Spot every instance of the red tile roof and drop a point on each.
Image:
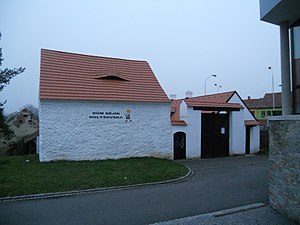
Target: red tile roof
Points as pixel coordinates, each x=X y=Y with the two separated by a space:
x=214 y=98
x=71 y=76
x=265 y=102
x=178 y=122
x=208 y=102
x=175 y=113
x=251 y=122
x=212 y=105
x=213 y=101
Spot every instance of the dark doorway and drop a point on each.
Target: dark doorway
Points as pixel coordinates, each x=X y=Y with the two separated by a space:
x=247 y=140
x=179 y=145
x=214 y=135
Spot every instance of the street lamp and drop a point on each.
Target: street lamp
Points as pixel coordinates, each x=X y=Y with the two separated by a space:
x=218 y=87
x=270 y=68
x=213 y=75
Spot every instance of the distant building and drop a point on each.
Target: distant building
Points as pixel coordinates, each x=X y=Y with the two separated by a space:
x=262 y=108
x=215 y=125
x=95 y=108
x=25 y=126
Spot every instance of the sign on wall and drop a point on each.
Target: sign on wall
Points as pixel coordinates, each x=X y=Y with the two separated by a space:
x=111 y=116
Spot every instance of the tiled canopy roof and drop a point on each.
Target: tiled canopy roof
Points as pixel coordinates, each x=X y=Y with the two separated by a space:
x=70 y=76
x=213 y=98
x=207 y=102
x=175 y=113
x=251 y=122
x=214 y=101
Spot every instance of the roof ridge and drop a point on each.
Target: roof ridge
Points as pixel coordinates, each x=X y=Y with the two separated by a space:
x=227 y=92
x=88 y=55
x=203 y=96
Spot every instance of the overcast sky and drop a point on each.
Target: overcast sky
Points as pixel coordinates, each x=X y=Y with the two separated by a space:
x=184 y=42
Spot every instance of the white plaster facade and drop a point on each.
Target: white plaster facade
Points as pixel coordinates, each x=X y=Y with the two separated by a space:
x=67 y=131
x=237 y=130
x=237 y=137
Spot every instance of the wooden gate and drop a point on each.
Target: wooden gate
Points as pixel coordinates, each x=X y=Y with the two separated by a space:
x=179 y=145
x=214 y=135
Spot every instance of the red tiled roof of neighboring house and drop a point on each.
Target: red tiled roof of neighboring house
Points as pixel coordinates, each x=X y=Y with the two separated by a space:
x=265 y=102
x=72 y=76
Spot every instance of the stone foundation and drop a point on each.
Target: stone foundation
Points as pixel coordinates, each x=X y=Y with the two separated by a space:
x=284 y=177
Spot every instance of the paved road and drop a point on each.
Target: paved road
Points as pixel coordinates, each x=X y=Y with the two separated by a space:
x=217 y=184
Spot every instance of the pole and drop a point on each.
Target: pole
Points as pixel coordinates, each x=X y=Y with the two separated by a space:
x=270 y=68
x=213 y=75
x=285 y=69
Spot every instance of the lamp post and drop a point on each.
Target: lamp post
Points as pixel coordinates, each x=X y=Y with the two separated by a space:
x=218 y=87
x=213 y=75
x=270 y=68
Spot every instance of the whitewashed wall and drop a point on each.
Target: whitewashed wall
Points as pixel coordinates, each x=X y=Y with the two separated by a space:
x=67 y=132
x=238 y=130
x=192 y=130
x=193 y=133
x=237 y=133
x=254 y=139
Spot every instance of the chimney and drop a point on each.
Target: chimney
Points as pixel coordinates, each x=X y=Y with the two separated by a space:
x=188 y=94
x=249 y=98
x=172 y=96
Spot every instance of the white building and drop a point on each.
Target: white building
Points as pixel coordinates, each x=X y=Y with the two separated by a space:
x=101 y=108
x=213 y=126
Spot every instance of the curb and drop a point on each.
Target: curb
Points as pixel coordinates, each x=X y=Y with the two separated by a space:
x=225 y=212
x=236 y=210
x=95 y=190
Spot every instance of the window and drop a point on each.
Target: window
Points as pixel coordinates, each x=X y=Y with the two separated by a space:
x=263 y=114
x=269 y=113
x=277 y=113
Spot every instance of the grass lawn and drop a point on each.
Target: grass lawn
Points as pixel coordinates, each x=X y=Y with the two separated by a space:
x=18 y=177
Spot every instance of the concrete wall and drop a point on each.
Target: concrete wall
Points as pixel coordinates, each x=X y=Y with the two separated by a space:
x=284 y=156
x=73 y=130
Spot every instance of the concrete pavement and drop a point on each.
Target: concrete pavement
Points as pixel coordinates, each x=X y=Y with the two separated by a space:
x=254 y=214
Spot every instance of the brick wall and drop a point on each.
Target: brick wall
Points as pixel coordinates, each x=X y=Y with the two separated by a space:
x=284 y=177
